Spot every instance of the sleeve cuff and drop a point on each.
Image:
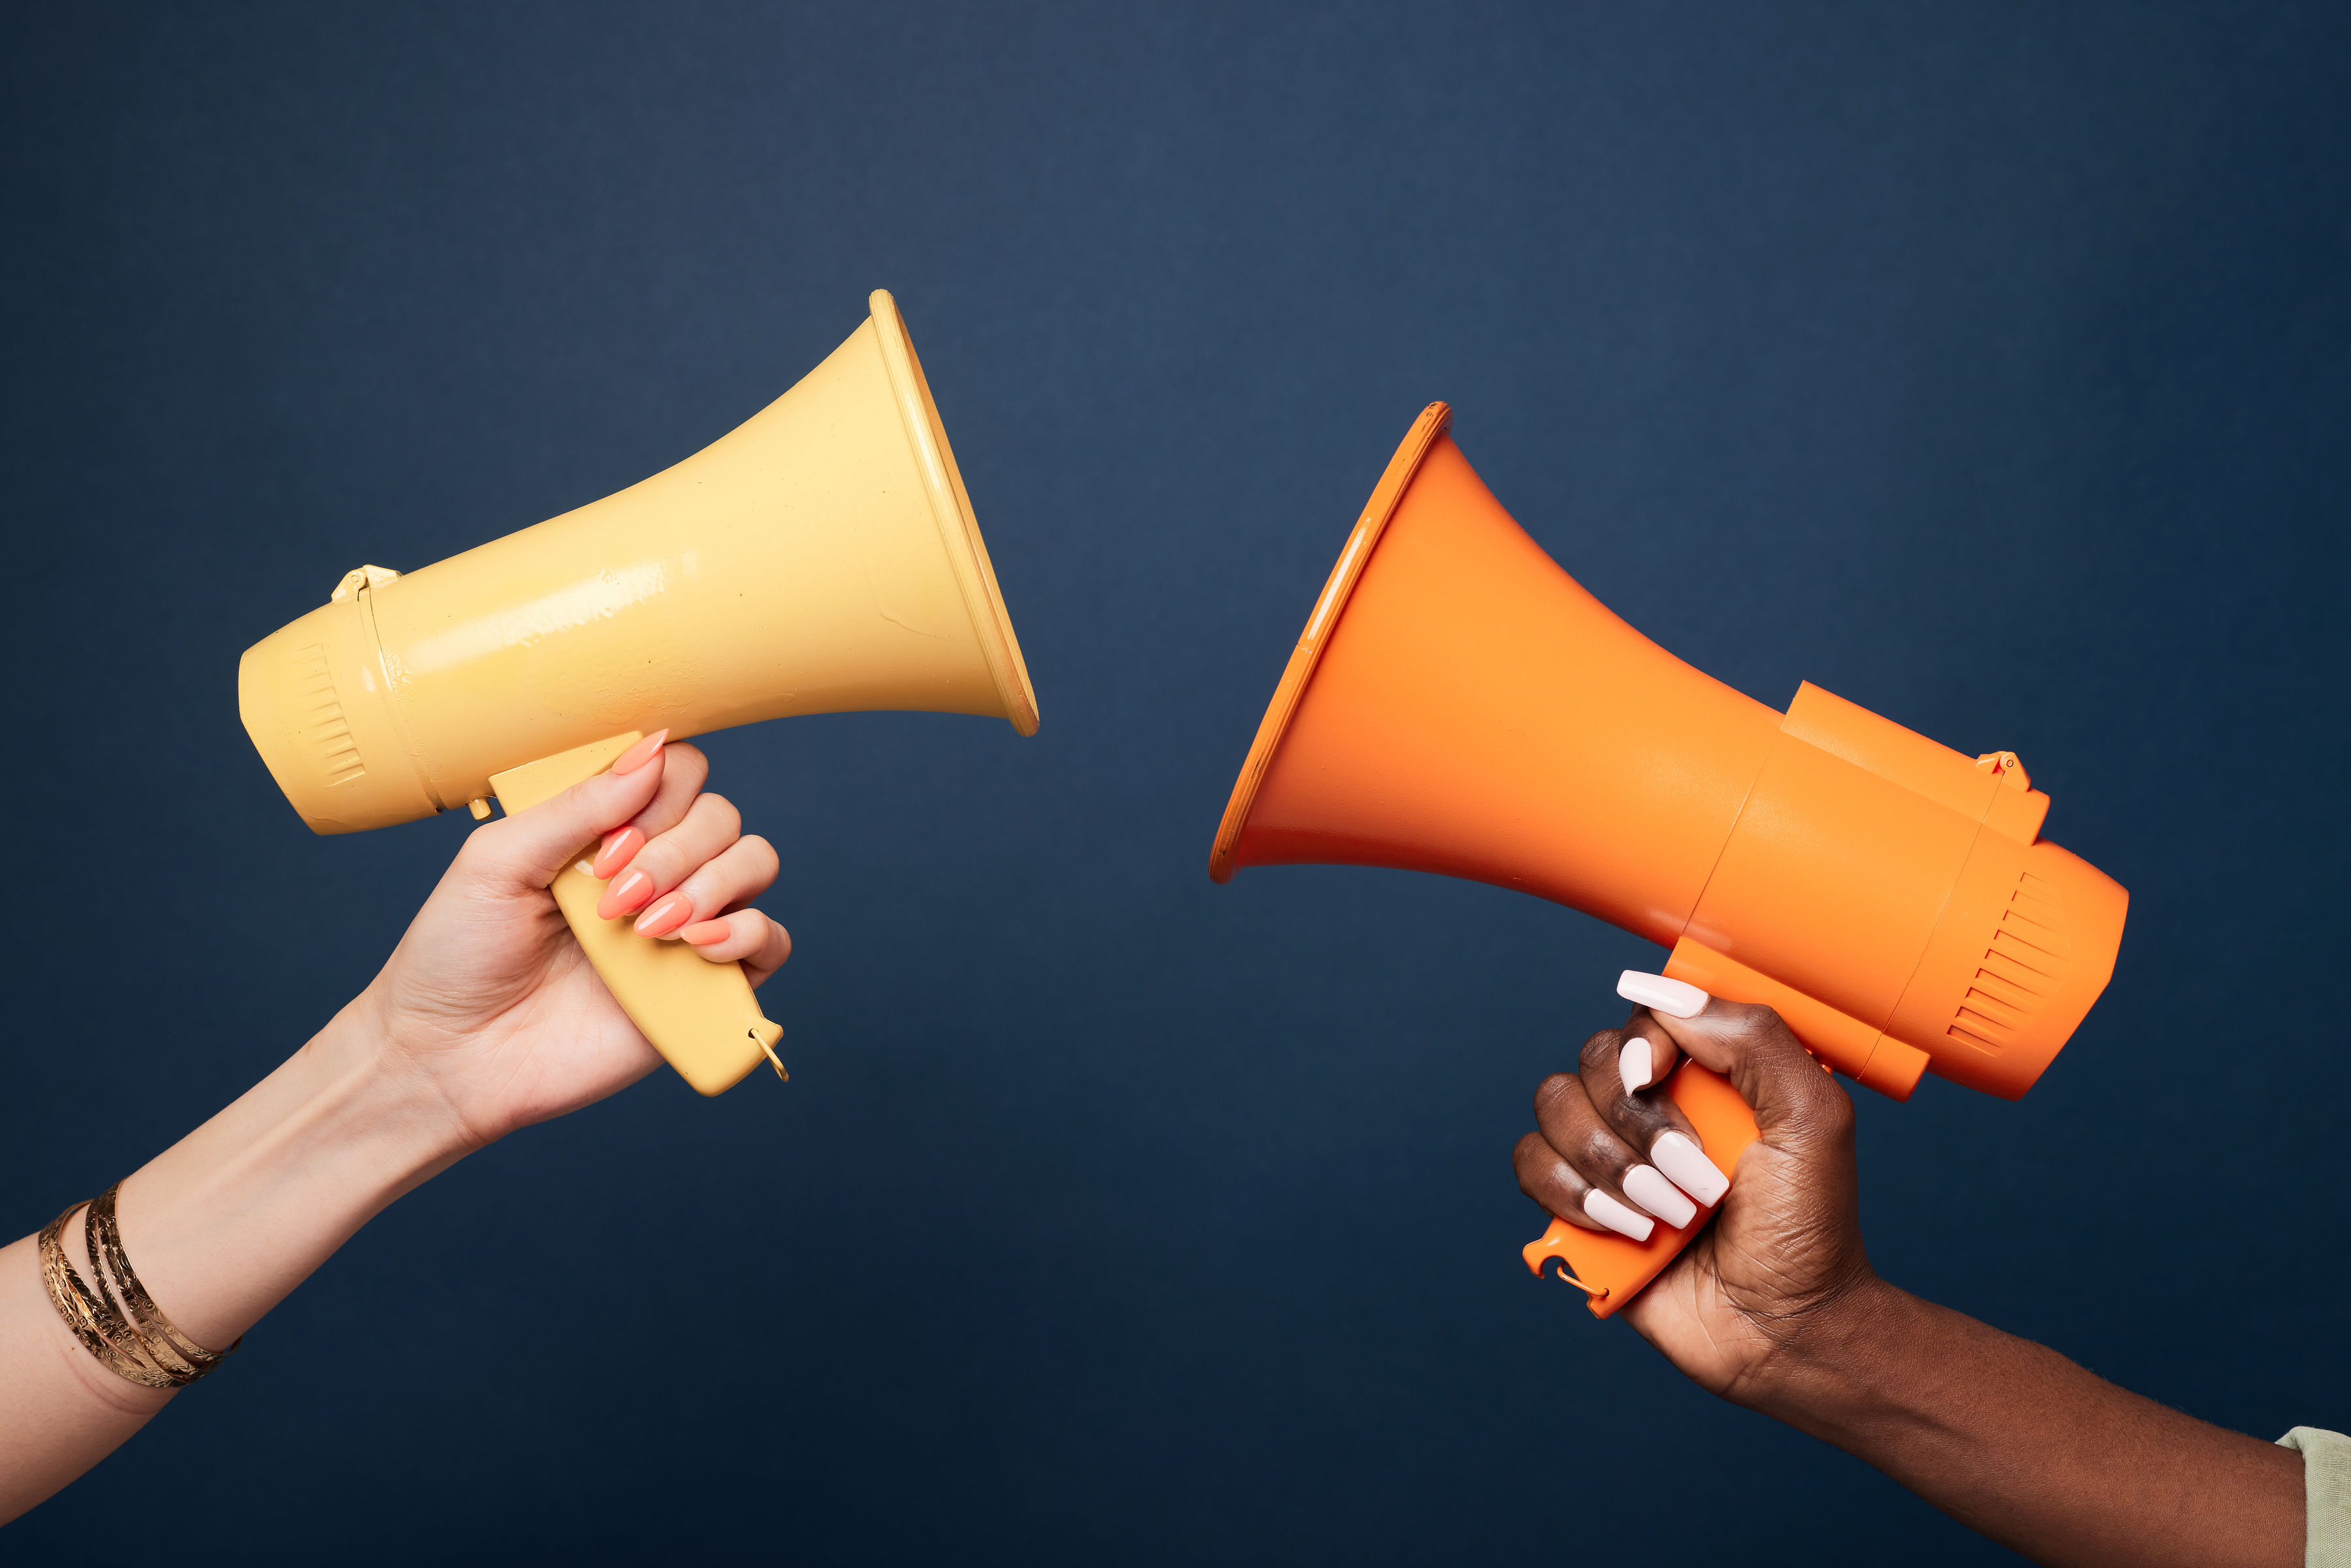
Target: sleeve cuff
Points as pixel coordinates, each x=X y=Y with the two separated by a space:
x=2327 y=1494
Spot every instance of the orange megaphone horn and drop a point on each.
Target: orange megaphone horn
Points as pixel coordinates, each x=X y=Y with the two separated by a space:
x=1459 y=705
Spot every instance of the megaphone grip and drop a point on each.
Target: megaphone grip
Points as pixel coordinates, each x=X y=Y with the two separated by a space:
x=702 y=1017
x=1613 y=1268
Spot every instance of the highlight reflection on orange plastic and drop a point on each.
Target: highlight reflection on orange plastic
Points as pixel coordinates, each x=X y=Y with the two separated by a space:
x=1459 y=705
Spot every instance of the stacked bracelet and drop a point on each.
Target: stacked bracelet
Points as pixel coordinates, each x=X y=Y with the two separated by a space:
x=134 y=1339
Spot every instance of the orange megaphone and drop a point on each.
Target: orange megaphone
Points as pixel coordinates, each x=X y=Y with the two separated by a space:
x=1459 y=705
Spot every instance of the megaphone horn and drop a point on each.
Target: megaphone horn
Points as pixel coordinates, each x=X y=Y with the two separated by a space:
x=1459 y=705
x=823 y=556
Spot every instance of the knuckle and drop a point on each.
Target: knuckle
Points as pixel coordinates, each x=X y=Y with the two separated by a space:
x=479 y=851
x=760 y=852
x=1822 y=1119
x=1558 y=1089
x=1537 y=1168
x=1596 y=1151
x=1836 y=1113
x=661 y=860
x=719 y=812
x=1601 y=1048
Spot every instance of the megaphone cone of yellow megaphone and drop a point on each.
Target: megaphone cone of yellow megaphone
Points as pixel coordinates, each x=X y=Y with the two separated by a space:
x=821 y=557
x=1459 y=705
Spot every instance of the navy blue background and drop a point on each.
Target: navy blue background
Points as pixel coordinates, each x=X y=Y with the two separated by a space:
x=1989 y=368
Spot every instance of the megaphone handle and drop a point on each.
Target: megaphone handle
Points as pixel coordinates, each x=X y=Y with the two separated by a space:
x=1612 y=1269
x=701 y=1016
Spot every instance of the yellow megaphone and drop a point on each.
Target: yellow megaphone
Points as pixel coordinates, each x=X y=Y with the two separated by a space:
x=821 y=557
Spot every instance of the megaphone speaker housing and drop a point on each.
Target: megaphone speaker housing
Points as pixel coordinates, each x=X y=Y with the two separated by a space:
x=821 y=557
x=1458 y=703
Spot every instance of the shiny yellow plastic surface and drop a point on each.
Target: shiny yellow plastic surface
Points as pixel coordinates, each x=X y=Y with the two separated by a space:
x=821 y=557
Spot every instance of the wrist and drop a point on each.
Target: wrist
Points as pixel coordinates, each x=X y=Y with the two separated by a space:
x=1838 y=1359
x=223 y=1224
x=371 y=1094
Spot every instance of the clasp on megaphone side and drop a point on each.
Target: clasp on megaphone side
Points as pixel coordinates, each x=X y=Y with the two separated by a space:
x=2005 y=767
x=361 y=577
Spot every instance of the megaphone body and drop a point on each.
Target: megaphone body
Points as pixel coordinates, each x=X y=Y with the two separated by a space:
x=820 y=558
x=1460 y=705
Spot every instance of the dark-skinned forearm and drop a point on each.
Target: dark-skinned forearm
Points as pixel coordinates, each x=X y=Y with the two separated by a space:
x=2015 y=1441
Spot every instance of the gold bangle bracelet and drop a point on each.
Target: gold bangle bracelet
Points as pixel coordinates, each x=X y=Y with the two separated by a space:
x=134 y=1339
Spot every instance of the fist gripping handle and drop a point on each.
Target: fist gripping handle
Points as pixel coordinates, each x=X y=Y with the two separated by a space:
x=701 y=1016
x=1611 y=1270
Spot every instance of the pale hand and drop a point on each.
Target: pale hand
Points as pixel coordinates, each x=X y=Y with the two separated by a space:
x=489 y=1001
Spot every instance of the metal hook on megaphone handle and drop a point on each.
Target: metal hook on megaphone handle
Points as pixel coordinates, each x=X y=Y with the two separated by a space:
x=773 y=1059
x=702 y=1017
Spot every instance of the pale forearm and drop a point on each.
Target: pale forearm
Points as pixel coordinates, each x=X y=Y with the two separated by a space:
x=220 y=1228
x=487 y=1018
x=223 y=1225
x=2014 y=1441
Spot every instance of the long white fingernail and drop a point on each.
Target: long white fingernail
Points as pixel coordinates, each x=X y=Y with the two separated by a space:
x=1617 y=1217
x=1661 y=1197
x=1633 y=1063
x=1674 y=998
x=1691 y=1170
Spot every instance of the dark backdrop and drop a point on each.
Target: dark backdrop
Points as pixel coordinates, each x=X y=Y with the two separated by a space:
x=1987 y=368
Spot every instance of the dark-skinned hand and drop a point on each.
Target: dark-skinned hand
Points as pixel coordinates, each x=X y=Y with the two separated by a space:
x=1786 y=1244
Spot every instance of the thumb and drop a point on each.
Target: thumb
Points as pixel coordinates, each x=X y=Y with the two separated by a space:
x=1793 y=1099
x=529 y=850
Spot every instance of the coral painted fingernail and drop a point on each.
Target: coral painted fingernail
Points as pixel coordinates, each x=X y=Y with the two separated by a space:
x=619 y=846
x=624 y=896
x=1617 y=1217
x=639 y=754
x=1674 y=998
x=1633 y=1063
x=665 y=917
x=1653 y=1192
x=1691 y=1170
x=703 y=933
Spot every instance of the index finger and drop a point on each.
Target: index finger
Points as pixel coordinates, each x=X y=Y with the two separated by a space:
x=1649 y=1055
x=684 y=770
x=1793 y=1101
